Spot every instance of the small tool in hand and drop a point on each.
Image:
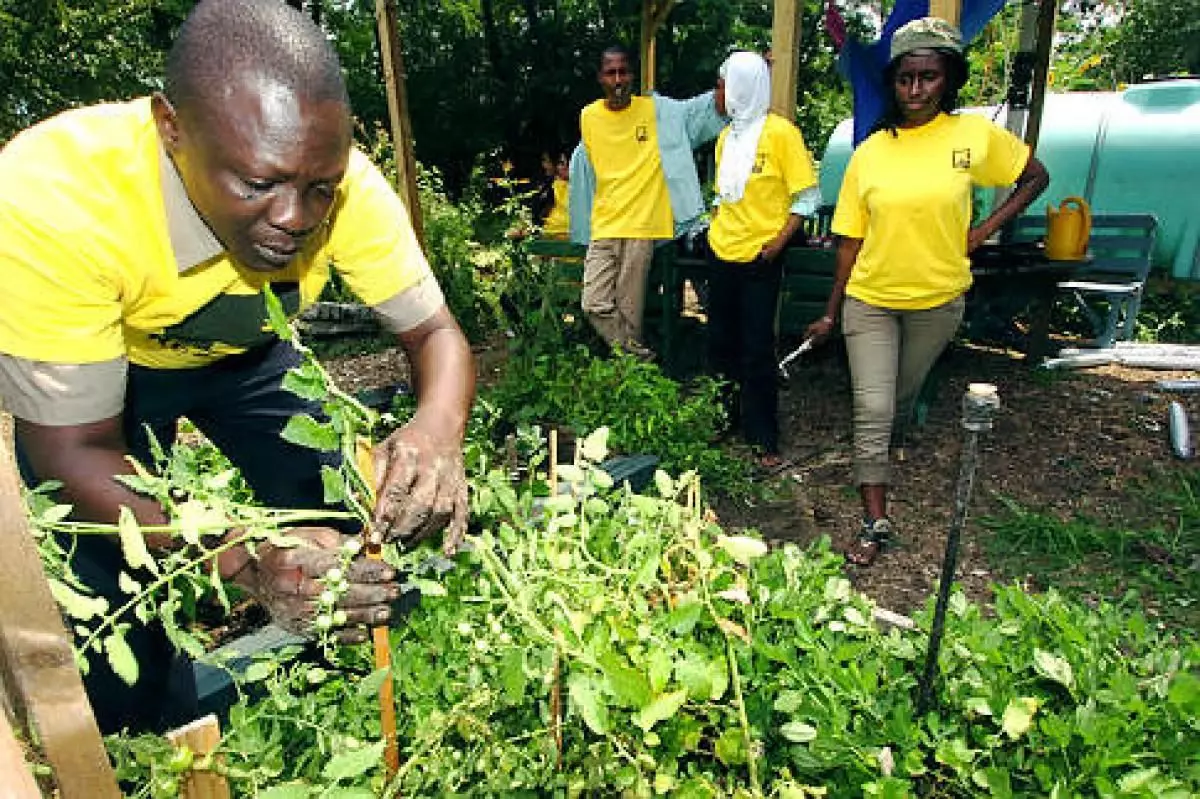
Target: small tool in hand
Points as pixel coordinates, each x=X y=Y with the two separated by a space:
x=804 y=347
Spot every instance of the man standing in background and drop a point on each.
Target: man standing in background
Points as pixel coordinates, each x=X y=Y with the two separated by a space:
x=633 y=182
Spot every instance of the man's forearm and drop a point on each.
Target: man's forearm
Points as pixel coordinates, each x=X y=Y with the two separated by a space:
x=444 y=377
x=86 y=466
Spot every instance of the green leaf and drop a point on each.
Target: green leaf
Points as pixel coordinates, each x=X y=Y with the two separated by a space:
x=658 y=671
x=121 y=657
x=662 y=708
x=133 y=544
x=595 y=447
x=369 y=686
x=305 y=431
x=350 y=792
x=276 y=316
x=332 y=485
x=426 y=587
x=512 y=675
x=306 y=381
x=291 y=791
x=742 y=548
x=1185 y=692
x=798 y=732
x=1136 y=781
x=55 y=513
x=730 y=748
x=258 y=671
x=585 y=697
x=352 y=763
x=1018 y=716
x=997 y=781
x=682 y=620
x=1053 y=667
x=77 y=605
x=629 y=687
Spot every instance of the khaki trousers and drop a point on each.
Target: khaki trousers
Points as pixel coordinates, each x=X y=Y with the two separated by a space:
x=614 y=287
x=891 y=352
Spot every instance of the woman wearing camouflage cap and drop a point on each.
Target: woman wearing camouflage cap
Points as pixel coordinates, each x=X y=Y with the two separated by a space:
x=904 y=221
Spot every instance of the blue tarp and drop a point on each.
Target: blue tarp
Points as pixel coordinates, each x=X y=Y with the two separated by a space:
x=864 y=63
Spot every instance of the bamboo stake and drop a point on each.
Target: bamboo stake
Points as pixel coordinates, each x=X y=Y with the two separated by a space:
x=202 y=737
x=553 y=462
x=379 y=633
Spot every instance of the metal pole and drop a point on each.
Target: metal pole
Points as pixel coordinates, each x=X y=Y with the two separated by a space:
x=978 y=404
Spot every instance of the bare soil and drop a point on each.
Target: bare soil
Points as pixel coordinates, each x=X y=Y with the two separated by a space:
x=1073 y=444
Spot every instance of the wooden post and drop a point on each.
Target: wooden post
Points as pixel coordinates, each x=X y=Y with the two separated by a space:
x=19 y=782
x=392 y=56
x=949 y=10
x=1041 y=70
x=654 y=14
x=785 y=57
x=37 y=662
x=202 y=736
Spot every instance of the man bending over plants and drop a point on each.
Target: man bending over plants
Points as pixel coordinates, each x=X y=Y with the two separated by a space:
x=135 y=242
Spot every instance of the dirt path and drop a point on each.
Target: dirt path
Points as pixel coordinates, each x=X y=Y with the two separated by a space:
x=1070 y=444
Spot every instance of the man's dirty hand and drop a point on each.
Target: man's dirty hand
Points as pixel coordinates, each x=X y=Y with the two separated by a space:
x=287 y=580
x=420 y=488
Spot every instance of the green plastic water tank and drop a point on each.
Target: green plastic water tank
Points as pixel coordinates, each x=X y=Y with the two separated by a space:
x=1135 y=151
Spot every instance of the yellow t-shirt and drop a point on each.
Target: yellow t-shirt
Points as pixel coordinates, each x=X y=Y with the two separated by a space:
x=909 y=199
x=782 y=168
x=91 y=275
x=631 y=193
x=558 y=220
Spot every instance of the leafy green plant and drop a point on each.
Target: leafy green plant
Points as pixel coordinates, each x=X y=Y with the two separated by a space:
x=645 y=411
x=598 y=642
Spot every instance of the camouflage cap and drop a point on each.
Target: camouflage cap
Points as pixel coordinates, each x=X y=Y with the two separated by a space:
x=927 y=33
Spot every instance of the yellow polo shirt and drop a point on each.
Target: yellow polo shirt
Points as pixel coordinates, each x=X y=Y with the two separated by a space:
x=104 y=260
x=782 y=168
x=558 y=220
x=908 y=198
x=632 y=201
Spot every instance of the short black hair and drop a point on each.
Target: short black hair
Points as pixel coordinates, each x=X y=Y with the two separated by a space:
x=614 y=50
x=222 y=38
x=955 y=64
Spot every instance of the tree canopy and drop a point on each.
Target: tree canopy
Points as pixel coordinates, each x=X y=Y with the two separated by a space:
x=492 y=80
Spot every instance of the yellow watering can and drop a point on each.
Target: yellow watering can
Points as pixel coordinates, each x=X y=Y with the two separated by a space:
x=1067 y=229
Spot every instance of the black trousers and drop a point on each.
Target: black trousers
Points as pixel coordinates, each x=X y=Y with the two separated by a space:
x=240 y=405
x=742 y=303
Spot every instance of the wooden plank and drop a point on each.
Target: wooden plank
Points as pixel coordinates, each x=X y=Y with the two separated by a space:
x=18 y=781
x=202 y=736
x=392 y=55
x=949 y=10
x=36 y=659
x=785 y=57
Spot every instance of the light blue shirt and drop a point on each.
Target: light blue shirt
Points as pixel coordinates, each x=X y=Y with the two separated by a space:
x=683 y=125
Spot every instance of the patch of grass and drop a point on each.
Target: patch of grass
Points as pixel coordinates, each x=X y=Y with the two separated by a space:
x=1156 y=565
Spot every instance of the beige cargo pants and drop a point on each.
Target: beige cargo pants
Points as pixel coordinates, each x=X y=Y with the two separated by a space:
x=890 y=352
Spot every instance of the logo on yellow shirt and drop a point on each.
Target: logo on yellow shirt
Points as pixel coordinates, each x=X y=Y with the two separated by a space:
x=760 y=163
x=641 y=133
x=961 y=159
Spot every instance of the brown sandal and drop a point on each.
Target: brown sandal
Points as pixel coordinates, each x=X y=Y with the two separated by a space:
x=871 y=540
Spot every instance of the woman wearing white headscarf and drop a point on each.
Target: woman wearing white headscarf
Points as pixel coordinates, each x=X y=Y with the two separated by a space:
x=765 y=184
